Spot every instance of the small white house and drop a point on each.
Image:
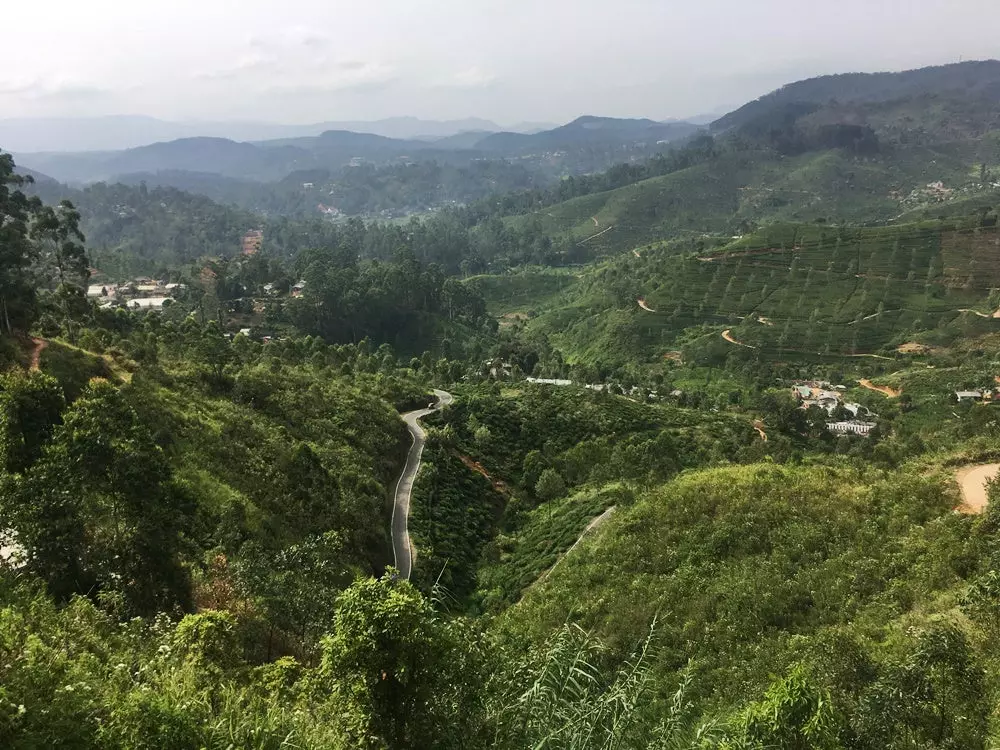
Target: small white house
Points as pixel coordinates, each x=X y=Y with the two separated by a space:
x=964 y=396
x=100 y=290
x=150 y=303
x=549 y=381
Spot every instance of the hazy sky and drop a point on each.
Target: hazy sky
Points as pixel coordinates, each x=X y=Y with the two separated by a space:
x=509 y=60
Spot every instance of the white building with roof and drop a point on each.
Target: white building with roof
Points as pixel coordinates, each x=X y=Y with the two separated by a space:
x=150 y=303
x=851 y=427
x=549 y=381
x=963 y=396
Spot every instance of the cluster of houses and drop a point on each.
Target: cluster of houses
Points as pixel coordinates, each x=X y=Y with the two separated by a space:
x=634 y=391
x=830 y=398
x=138 y=294
x=271 y=290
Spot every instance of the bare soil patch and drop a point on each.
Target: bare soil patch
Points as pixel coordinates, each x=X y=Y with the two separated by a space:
x=36 y=353
x=885 y=390
x=972 y=482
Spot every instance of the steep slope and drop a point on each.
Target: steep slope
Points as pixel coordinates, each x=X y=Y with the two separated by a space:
x=743 y=574
x=979 y=80
x=786 y=291
x=741 y=187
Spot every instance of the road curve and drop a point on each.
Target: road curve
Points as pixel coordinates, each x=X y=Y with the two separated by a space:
x=402 y=551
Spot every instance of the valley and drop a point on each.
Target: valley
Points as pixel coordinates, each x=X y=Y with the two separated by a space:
x=620 y=434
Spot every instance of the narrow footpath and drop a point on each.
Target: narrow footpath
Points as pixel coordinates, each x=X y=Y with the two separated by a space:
x=38 y=346
x=729 y=337
x=402 y=549
x=594 y=525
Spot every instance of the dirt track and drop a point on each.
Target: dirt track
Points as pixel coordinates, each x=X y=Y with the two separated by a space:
x=596 y=235
x=996 y=313
x=759 y=426
x=36 y=353
x=883 y=389
x=728 y=337
x=972 y=481
x=595 y=523
x=644 y=306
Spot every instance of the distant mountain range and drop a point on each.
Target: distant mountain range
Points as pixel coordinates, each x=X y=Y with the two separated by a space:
x=114 y=133
x=273 y=159
x=856 y=115
x=589 y=131
x=853 y=145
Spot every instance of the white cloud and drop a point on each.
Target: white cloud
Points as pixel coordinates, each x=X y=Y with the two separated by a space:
x=52 y=88
x=505 y=59
x=470 y=78
x=336 y=78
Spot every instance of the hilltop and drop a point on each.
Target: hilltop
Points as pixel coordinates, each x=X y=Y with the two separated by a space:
x=974 y=80
x=589 y=131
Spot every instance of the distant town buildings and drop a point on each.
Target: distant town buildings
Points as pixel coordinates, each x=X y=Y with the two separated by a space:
x=150 y=303
x=96 y=291
x=140 y=293
x=823 y=395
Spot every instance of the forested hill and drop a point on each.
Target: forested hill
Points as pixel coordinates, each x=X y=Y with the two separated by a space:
x=589 y=131
x=781 y=158
x=975 y=80
x=786 y=291
x=134 y=230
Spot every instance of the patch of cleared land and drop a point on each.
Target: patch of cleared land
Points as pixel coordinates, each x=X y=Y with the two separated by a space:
x=972 y=481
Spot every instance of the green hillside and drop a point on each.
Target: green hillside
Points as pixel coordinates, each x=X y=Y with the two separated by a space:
x=747 y=575
x=789 y=290
x=741 y=188
x=973 y=81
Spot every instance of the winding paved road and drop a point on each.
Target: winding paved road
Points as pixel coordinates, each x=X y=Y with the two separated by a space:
x=402 y=551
